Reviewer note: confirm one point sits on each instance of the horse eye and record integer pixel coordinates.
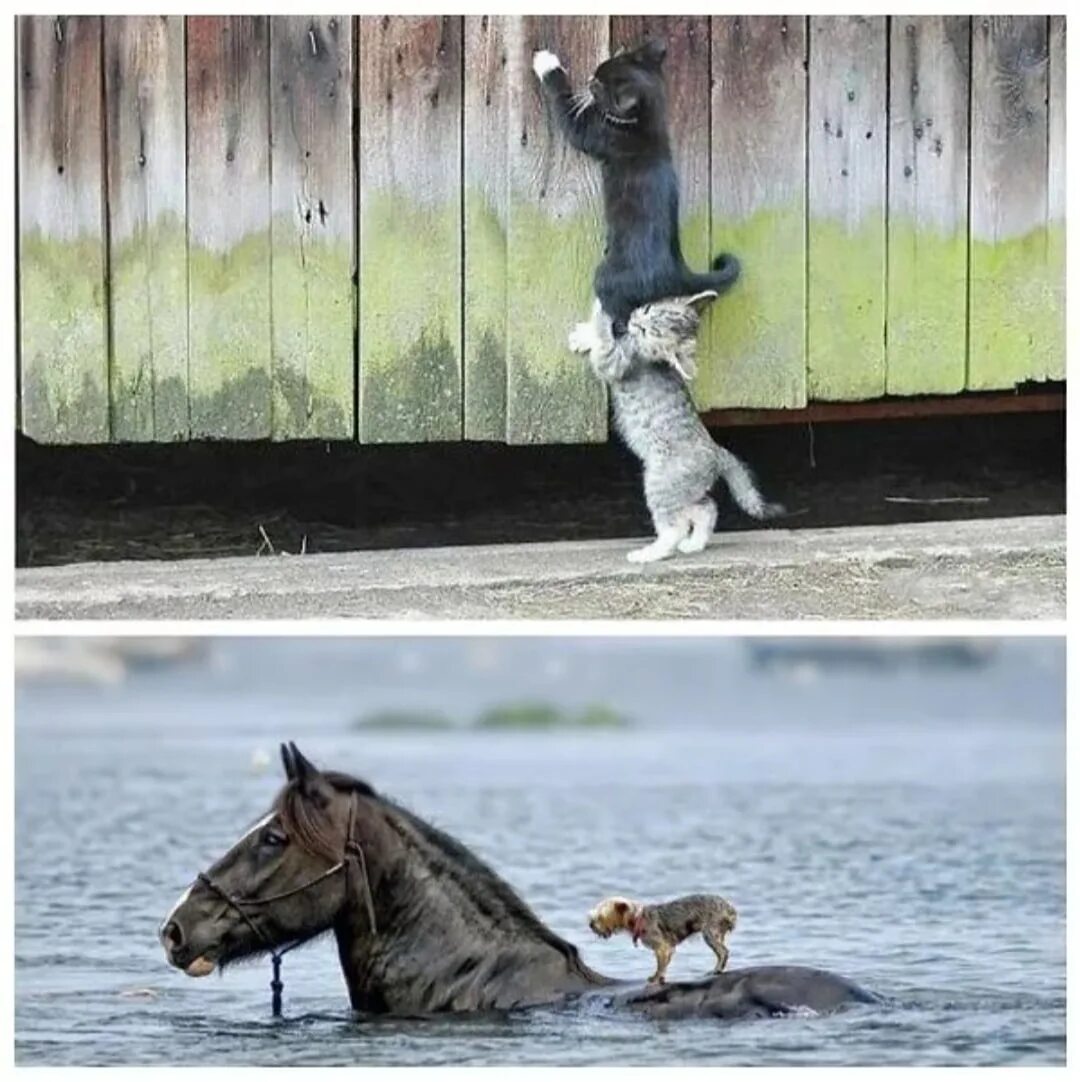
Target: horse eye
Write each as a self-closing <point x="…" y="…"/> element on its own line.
<point x="274" y="839"/>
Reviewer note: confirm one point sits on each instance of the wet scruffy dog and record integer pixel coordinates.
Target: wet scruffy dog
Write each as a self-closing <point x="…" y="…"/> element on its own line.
<point x="663" y="926"/>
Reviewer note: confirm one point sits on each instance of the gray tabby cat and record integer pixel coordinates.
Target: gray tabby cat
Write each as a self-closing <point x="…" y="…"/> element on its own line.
<point x="646" y="372"/>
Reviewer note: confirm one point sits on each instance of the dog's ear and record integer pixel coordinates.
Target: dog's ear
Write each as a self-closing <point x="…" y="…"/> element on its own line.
<point x="621" y="908"/>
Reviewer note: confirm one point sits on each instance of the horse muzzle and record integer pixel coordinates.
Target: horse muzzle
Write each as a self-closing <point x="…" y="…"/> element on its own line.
<point x="178" y="952"/>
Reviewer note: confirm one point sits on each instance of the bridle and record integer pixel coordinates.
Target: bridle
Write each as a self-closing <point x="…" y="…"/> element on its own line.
<point x="353" y="850"/>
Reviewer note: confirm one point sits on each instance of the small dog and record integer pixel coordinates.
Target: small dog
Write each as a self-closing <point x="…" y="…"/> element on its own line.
<point x="662" y="927"/>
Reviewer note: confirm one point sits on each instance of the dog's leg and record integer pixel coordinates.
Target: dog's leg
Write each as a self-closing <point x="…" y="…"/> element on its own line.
<point x="715" y="941"/>
<point x="663" y="952"/>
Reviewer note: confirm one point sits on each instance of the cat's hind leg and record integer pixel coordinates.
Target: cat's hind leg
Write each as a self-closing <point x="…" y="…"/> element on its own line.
<point x="702" y="523"/>
<point x="669" y="533"/>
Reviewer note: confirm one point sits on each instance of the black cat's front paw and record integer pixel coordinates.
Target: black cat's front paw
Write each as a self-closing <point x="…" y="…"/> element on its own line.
<point x="544" y="62"/>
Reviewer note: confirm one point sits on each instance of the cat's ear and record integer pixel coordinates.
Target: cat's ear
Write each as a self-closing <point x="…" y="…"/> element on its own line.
<point x="700" y="301"/>
<point x="652" y="51"/>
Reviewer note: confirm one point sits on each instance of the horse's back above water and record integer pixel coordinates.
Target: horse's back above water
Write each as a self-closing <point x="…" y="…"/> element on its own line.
<point x="758" y="991"/>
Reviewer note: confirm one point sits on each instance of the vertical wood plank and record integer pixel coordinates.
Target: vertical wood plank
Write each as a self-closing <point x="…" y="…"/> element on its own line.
<point x="757" y="332"/>
<point x="1055" y="199"/>
<point x="1013" y="297"/>
<point x="228" y="110"/>
<point x="926" y="335"/>
<point x="312" y="231"/>
<point x="846" y="234"/>
<point x="146" y="159"/>
<point x="486" y="189"/>
<point x="64" y="390"/>
<point x="554" y="239"/>
<point x="410" y="228"/>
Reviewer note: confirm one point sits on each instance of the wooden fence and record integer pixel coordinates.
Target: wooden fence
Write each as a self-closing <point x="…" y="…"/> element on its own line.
<point x="362" y="227"/>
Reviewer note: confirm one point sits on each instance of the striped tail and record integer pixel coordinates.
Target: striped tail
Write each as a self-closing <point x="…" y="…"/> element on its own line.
<point x="744" y="490"/>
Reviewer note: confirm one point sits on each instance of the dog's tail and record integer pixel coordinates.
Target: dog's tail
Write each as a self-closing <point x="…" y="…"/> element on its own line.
<point x="743" y="488"/>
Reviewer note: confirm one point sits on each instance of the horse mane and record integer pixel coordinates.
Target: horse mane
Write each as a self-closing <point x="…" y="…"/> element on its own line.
<point x="305" y="821"/>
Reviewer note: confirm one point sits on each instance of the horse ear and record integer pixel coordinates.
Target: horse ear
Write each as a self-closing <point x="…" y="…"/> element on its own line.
<point x="287" y="762"/>
<point x="303" y="768"/>
<point x="652" y="52"/>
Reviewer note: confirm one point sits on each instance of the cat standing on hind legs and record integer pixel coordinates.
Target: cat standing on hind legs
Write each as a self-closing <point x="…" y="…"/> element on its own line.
<point x="646" y="372"/>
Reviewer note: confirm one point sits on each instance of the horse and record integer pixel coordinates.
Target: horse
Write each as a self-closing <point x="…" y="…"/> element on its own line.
<point x="423" y="926"/>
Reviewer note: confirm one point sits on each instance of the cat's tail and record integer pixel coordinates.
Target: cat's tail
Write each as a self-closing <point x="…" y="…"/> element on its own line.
<point x="724" y="274"/>
<point x="743" y="488"/>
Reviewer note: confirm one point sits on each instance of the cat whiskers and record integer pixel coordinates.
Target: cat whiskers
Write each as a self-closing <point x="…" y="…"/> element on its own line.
<point x="580" y="102"/>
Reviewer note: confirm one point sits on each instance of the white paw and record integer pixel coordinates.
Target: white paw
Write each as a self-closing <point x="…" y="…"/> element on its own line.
<point x="647" y="555"/>
<point x="693" y="544"/>
<point x="581" y="338"/>
<point x="544" y="62"/>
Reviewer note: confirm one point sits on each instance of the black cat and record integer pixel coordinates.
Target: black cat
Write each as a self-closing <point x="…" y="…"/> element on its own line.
<point x="622" y="122"/>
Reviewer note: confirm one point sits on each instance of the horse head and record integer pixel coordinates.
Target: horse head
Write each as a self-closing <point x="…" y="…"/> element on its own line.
<point x="291" y="877"/>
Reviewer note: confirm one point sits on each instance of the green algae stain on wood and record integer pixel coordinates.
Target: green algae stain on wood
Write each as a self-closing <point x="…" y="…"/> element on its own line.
<point x="146" y="156"/>
<point x="1016" y="311"/>
<point x="554" y="242"/>
<point x="62" y="290"/>
<point x="410" y="228"/>
<point x="486" y="100"/>
<point x="757" y="331"/>
<point x="847" y="191"/>
<point x="1055" y="197"/>
<point x="1014" y="290"/>
<point x="64" y="397"/>
<point x="927" y="326"/>
<point x="229" y="226"/>
<point x="149" y="283"/>
<point x="485" y="320"/>
<point x="410" y="321"/>
<point x="758" y="328"/>
<point x="926" y="336"/>
<point x="552" y="395"/>
<point x="312" y="227"/>
<point x="230" y="339"/>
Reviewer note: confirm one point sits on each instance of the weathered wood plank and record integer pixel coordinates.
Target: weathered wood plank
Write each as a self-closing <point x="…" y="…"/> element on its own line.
<point x="554" y="237"/>
<point x="1014" y="299"/>
<point x="926" y="336"/>
<point x="64" y="391"/>
<point x="410" y="228"/>
<point x="228" y="112"/>
<point x="758" y="330"/>
<point x="313" y="226"/>
<point x="846" y="253"/>
<point x="146" y="156"/>
<point x="486" y="182"/>
<point x="1055" y="199"/>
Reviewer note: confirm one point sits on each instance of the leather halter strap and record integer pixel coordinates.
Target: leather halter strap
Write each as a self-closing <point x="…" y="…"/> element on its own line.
<point x="353" y="849"/>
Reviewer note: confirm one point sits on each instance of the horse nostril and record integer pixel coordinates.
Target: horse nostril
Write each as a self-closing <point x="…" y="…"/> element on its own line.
<point x="173" y="935"/>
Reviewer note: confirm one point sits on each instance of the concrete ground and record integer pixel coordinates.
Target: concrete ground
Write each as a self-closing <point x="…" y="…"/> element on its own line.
<point x="985" y="569"/>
